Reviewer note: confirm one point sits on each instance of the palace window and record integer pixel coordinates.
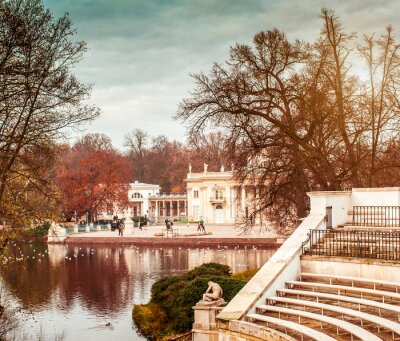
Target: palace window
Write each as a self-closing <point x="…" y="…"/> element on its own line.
<point x="218" y="194"/>
<point x="137" y="195"/>
<point x="195" y="194"/>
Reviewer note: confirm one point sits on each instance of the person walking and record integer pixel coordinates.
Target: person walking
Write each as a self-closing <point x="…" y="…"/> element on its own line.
<point x="121" y="228"/>
<point x="114" y="224"/>
<point x="201" y="225"/>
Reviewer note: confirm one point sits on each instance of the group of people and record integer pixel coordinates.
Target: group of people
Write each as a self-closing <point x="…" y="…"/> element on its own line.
<point x="119" y="225"/>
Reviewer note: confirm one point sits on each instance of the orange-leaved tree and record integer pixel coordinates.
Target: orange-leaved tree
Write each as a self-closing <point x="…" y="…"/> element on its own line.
<point x="93" y="176"/>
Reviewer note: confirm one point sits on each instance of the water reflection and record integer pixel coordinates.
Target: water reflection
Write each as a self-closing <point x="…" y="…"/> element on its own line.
<point x="90" y="286"/>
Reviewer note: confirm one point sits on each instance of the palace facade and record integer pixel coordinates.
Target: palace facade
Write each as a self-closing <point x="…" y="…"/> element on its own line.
<point x="215" y="197"/>
<point x="219" y="199"/>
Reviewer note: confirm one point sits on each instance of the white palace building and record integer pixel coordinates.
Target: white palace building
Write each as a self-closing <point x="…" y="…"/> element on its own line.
<point x="214" y="197"/>
<point x="218" y="198"/>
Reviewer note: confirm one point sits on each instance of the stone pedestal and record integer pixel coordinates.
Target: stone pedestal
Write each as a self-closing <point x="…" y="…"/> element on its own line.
<point x="129" y="225"/>
<point x="98" y="228"/>
<point x="76" y="230"/>
<point x="56" y="234"/>
<point x="205" y="319"/>
<point x="87" y="228"/>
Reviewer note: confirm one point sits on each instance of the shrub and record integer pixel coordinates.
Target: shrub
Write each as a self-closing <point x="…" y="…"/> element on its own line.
<point x="209" y="269"/>
<point x="176" y="295"/>
<point x="150" y="319"/>
<point x="38" y="231"/>
<point x="193" y="292"/>
<point x="141" y="218"/>
<point x="245" y="275"/>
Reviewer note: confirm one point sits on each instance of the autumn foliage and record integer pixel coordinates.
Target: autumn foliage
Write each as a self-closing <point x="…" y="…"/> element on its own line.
<point x="93" y="178"/>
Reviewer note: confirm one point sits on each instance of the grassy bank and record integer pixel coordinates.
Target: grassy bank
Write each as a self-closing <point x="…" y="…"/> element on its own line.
<point x="172" y="298"/>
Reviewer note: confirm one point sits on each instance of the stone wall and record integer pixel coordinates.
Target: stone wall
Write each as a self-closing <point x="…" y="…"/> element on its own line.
<point x="353" y="267"/>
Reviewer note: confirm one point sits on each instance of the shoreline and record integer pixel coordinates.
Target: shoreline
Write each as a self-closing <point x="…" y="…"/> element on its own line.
<point x="175" y="241"/>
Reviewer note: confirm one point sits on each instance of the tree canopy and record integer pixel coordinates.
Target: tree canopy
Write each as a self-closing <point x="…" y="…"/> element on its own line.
<point x="298" y="116"/>
<point x="40" y="100"/>
<point x="93" y="177"/>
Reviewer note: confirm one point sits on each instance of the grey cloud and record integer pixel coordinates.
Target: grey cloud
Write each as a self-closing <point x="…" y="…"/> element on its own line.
<point x="142" y="51"/>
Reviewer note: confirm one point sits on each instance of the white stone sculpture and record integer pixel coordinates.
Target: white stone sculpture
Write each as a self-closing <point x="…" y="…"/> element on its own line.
<point x="213" y="296"/>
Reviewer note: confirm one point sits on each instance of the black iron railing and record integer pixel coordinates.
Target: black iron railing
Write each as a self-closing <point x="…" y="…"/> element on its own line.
<point x="353" y="243"/>
<point x="386" y="216"/>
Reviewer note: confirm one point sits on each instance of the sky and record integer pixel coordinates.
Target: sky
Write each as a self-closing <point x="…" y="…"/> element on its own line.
<point x="142" y="52"/>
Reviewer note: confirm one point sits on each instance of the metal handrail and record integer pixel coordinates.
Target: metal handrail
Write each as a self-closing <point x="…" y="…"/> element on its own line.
<point x="382" y="216"/>
<point x="354" y="243"/>
<point x="304" y="247"/>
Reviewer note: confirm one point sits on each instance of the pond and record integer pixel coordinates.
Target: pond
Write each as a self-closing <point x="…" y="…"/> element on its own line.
<point x="86" y="292"/>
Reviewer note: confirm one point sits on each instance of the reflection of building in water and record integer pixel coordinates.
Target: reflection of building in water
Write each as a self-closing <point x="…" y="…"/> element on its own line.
<point x="237" y="260"/>
<point x="93" y="282"/>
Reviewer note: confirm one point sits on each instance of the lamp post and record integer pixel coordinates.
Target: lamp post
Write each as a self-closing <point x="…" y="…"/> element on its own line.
<point x="87" y="222"/>
<point x="76" y="230"/>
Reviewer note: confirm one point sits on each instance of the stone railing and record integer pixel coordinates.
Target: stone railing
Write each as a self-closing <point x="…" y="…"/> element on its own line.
<point x="210" y="174"/>
<point x="217" y="199"/>
<point x="168" y="196"/>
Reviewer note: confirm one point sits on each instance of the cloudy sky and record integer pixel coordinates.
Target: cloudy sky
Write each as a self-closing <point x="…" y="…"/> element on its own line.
<point x="141" y="52"/>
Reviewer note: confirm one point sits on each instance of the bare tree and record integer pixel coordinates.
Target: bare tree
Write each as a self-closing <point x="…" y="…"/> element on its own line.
<point x="137" y="144"/>
<point x="90" y="143"/>
<point x="381" y="105"/>
<point x="40" y="99"/>
<point x="295" y="116"/>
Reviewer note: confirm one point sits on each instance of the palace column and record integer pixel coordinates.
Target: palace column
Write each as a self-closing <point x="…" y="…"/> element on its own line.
<point x="243" y="198"/>
<point x="155" y="209"/>
<point x="259" y="220"/>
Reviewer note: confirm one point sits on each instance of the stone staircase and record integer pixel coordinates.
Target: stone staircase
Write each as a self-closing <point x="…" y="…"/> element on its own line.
<point x="327" y="283"/>
<point x="328" y="307"/>
<point x="338" y="307"/>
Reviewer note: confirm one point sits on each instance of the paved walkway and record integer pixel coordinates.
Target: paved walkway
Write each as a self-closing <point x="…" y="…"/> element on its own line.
<point x="217" y="231"/>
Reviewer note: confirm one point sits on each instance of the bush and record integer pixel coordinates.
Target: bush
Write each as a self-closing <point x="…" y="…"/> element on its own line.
<point x="193" y="292"/>
<point x="142" y="219"/>
<point x="39" y="231"/>
<point x="176" y="295"/>
<point x="245" y="275"/>
<point x="150" y="319"/>
<point x="209" y="269"/>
